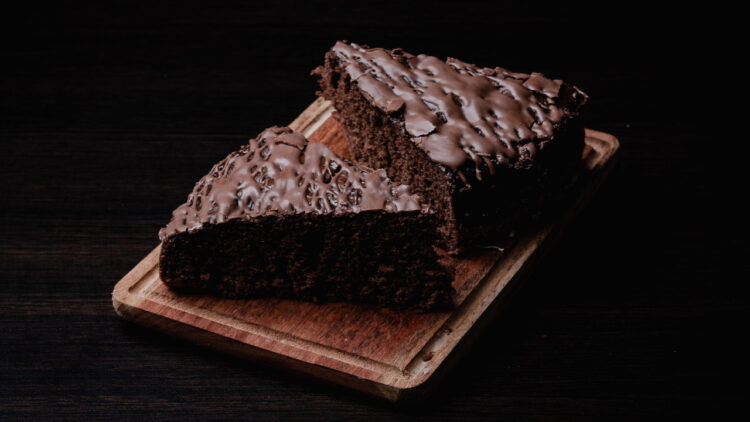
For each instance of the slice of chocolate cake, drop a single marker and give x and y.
(282, 217)
(484, 147)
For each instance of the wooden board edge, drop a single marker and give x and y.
(191, 334)
(416, 386)
(606, 138)
(312, 117)
(121, 291)
(603, 136)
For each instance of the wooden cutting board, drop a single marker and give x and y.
(388, 353)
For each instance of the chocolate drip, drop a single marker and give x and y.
(279, 172)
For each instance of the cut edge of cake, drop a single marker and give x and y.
(284, 217)
(484, 147)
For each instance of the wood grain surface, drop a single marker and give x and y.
(384, 352)
(638, 314)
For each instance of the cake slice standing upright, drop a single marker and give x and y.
(284, 217)
(485, 147)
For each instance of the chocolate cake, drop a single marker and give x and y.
(282, 217)
(485, 147)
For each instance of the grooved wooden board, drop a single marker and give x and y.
(388, 353)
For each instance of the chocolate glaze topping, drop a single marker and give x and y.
(458, 113)
(279, 172)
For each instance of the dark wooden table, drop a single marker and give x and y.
(109, 115)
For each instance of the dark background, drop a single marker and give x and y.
(109, 113)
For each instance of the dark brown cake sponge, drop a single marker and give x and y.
(476, 143)
(283, 217)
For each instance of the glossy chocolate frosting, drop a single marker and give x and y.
(280, 172)
(461, 115)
